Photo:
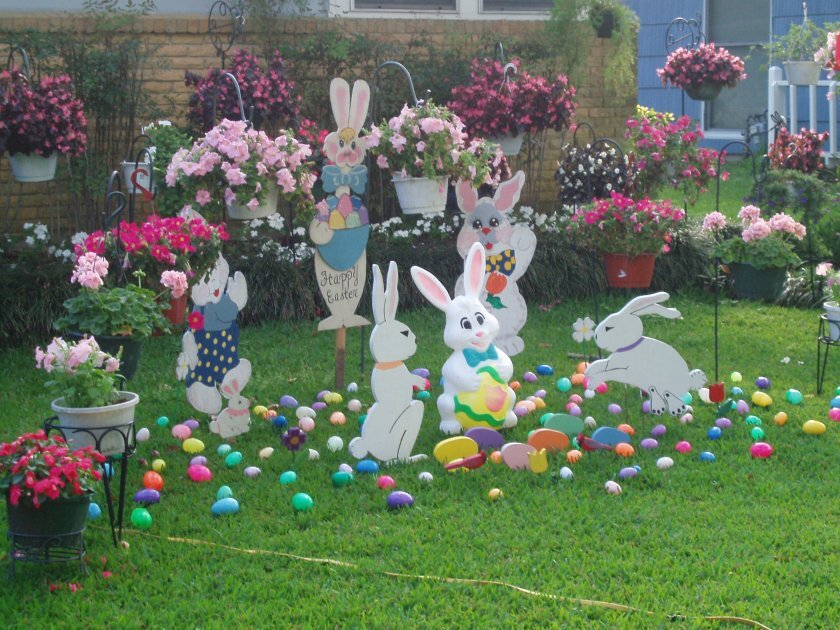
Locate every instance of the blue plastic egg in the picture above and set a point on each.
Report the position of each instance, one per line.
(707, 456)
(228, 505)
(367, 466)
(544, 370)
(714, 433)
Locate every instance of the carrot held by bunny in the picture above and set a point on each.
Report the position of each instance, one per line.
(393, 422)
(649, 364)
(475, 376)
(340, 228)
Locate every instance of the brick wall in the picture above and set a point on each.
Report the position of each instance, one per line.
(185, 45)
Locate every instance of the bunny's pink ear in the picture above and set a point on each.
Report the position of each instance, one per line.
(508, 193)
(466, 195)
(227, 390)
(474, 269)
(392, 296)
(359, 105)
(340, 101)
(430, 287)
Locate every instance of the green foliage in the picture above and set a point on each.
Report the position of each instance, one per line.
(765, 253)
(165, 141)
(798, 44)
(620, 64)
(130, 310)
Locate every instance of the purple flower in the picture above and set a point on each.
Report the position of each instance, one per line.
(293, 438)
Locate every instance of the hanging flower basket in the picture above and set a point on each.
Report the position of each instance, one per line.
(108, 424)
(265, 209)
(752, 283)
(802, 72)
(421, 195)
(511, 145)
(704, 91)
(31, 167)
(629, 272)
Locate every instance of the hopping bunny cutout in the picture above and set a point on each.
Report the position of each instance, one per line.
(475, 376)
(509, 250)
(649, 364)
(340, 228)
(393, 422)
(236, 418)
(209, 360)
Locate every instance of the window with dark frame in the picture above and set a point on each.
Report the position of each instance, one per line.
(427, 5)
(517, 5)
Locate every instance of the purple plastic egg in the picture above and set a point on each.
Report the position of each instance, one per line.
(288, 401)
(646, 406)
(574, 410)
(627, 473)
(658, 431)
(614, 409)
(399, 499)
(199, 473)
(529, 377)
(762, 382)
(252, 472)
(742, 407)
(321, 394)
(421, 372)
(198, 460)
(649, 443)
(192, 423)
(540, 393)
(147, 496)
(520, 410)
(723, 423)
(319, 406)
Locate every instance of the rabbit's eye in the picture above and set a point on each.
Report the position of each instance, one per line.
(476, 224)
(479, 318)
(405, 333)
(466, 324)
(353, 145)
(608, 328)
(341, 144)
(494, 222)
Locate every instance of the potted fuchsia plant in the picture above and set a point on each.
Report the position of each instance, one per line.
(238, 168)
(503, 109)
(703, 71)
(40, 120)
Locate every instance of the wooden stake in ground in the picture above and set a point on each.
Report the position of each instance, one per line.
(340, 355)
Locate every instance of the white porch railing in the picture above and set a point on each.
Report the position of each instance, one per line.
(784, 102)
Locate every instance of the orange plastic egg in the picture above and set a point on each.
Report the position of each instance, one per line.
(153, 481)
(515, 385)
(577, 379)
(626, 428)
(581, 367)
(496, 457)
(623, 449)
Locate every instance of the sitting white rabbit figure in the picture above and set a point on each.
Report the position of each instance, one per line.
(649, 364)
(236, 418)
(393, 422)
(475, 376)
(508, 251)
(209, 359)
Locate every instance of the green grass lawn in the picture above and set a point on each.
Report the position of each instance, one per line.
(738, 537)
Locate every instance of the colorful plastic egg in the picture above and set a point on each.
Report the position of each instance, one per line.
(736, 391)
(762, 399)
(578, 379)
(304, 412)
(624, 450)
(723, 423)
(143, 435)
(714, 433)
(252, 472)
(234, 458)
(564, 384)
(335, 443)
(742, 407)
(306, 423)
(664, 463)
(424, 395)
(228, 505)
(260, 411)
(385, 482)
(353, 387)
(757, 433)
(141, 519)
(589, 422)
(192, 445)
(545, 370)
(288, 477)
(159, 466)
(367, 467)
(794, 396)
(626, 428)
(288, 401)
(612, 487)
(163, 421)
(302, 502)
(813, 427)
(266, 452)
(147, 496)
(94, 511)
(341, 479)
(319, 406)
(834, 414)
(223, 492)
(153, 480)
(646, 406)
(649, 443)
(333, 398)
(753, 421)
(425, 477)
(495, 494)
(574, 456)
(707, 456)
(345, 468)
(181, 432)
(223, 449)
(736, 377)
(683, 446)
(399, 499)
(314, 455)
(658, 431)
(529, 377)
(603, 388)
(780, 419)
(199, 473)
(614, 409)
(761, 450)
(627, 472)
(762, 382)
(566, 473)
(354, 405)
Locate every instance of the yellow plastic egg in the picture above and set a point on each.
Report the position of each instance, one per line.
(780, 418)
(813, 427)
(158, 465)
(260, 411)
(762, 399)
(495, 494)
(539, 402)
(333, 398)
(193, 445)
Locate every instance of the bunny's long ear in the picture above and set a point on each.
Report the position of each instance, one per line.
(474, 268)
(508, 192)
(466, 195)
(378, 293)
(392, 296)
(359, 105)
(650, 305)
(340, 101)
(431, 288)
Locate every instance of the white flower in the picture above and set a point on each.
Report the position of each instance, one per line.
(30, 241)
(583, 329)
(299, 231)
(276, 221)
(78, 238)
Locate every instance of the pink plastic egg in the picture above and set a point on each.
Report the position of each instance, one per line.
(384, 482)
(181, 431)
(576, 399)
(761, 450)
(199, 473)
(337, 418)
(682, 446)
(306, 424)
(742, 407)
(834, 414)
(602, 388)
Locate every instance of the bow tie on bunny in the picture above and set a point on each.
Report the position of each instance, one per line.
(474, 357)
(355, 178)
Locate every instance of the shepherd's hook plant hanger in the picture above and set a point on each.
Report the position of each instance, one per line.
(229, 75)
(684, 33)
(225, 24)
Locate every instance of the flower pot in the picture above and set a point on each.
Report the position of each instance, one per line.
(138, 180)
(266, 209)
(511, 145)
(629, 272)
(758, 284)
(131, 347)
(31, 167)
(704, 91)
(109, 425)
(421, 195)
(802, 72)
(61, 519)
(832, 311)
(177, 311)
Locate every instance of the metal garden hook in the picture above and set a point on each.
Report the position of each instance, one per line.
(404, 70)
(27, 67)
(509, 69)
(501, 50)
(238, 97)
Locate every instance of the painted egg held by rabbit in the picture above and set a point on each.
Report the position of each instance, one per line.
(475, 376)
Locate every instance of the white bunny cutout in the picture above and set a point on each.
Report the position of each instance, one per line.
(649, 364)
(393, 422)
(508, 249)
(475, 376)
(236, 418)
